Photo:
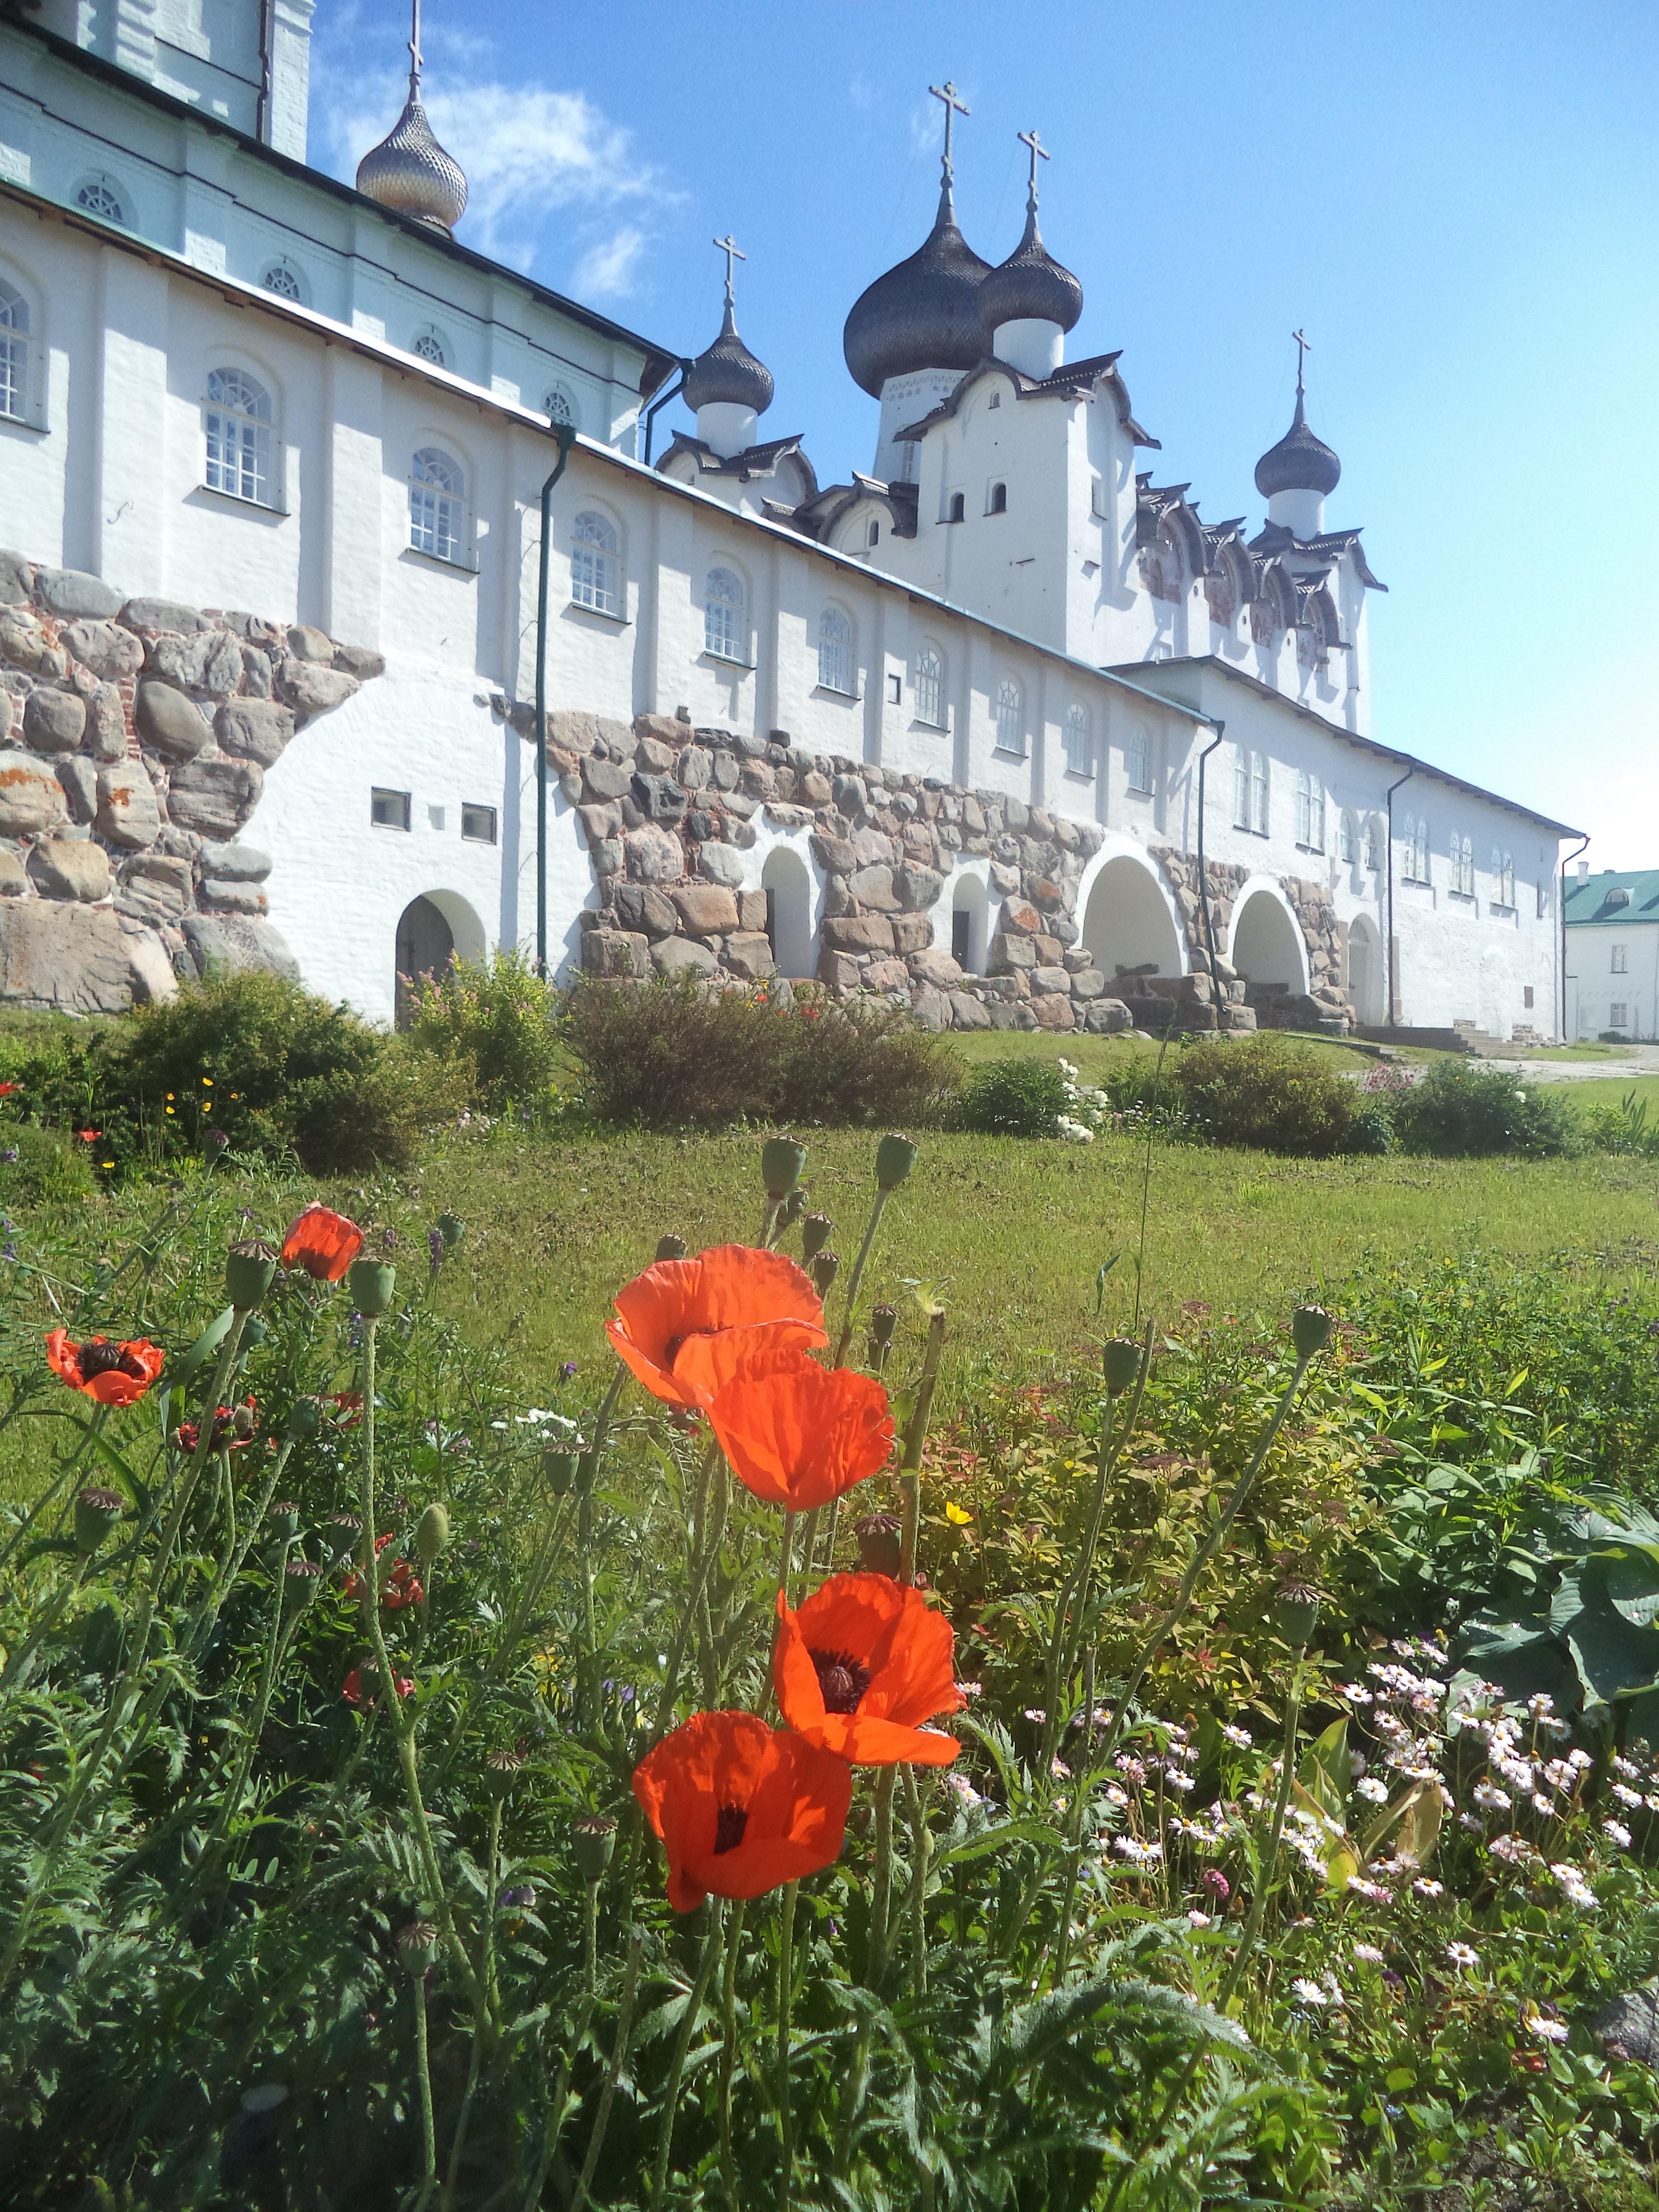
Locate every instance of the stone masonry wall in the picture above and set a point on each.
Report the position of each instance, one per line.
(135, 735)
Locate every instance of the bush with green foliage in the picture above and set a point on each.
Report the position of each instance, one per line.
(496, 1021)
(1012, 1098)
(1271, 1095)
(1626, 1130)
(673, 1054)
(1467, 1108)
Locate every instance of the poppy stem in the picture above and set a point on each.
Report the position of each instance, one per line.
(920, 1847)
(881, 1885)
(587, 1469)
(786, 1992)
(729, 2051)
(613, 2074)
(423, 2076)
(849, 1310)
(676, 2065)
(703, 1554)
(786, 1555)
(915, 1436)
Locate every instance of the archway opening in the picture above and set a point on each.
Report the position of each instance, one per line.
(1365, 971)
(425, 948)
(788, 890)
(967, 917)
(1127, 925)
(1267, 952)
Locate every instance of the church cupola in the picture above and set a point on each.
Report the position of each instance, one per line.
(1028, 303)
(912, 334)
(1295, 475)
(726, 388)
(408, 171)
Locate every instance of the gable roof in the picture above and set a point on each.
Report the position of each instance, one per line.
(1595, 898)
(752, 461)
(1072, 379)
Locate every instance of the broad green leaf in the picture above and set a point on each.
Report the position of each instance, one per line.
(1327, 1772)
(1026, 1830)
(205, 1346)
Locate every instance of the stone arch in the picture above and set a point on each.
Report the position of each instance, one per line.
(787, 883)
(1267, 945)
(969, 913)
(1366, 980)
(434, 930)
(1129, 920)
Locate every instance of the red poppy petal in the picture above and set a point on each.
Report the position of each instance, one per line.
(868, 1742)
(795, 1679)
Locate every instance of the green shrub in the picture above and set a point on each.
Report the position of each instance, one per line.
(1462, 1109)
(1013, 1098)
(45, 1167)
(496, 1021)
(673, 1054)
(1273, 1096)
(1625, 1129)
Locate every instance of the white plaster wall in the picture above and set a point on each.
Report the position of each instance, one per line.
(1593, 988)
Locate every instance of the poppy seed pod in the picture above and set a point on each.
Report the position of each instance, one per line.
(783, 1162)
(881, 1544)
(301, 1580)
(559, 1468)
(671, 1247)
(814, 1235)
(340, 1534)
(794, 1207)
(826, 1266)
(895, 1155)
(452, 1229)
(96, 1512)
(883, 1320)
(1119, 1359)
(372, 1282)
(502, 1771)
(1296, 1611)
(1310, 1330)
(431, 1533)
(593, 1838)
(250, 1269)
(255, 1330)
(417, 1947)
(305, 1420)
(283, 1520)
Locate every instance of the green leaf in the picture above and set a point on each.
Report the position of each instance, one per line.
(137, 1489)
(1027, 1830)
(203, 1348)
(1327, 1772)
(1399, 2078)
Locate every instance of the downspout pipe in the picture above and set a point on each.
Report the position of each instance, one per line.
(565, 434)
(660, 402)
(1220, 729)
(1561, 924)
(1393, 787)
(262, 120)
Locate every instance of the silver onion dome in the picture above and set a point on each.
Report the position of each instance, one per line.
(1031, 285)
(1300, 461)
(924, 313)
(408, 171)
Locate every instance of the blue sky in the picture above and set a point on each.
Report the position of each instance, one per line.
(1460, 204)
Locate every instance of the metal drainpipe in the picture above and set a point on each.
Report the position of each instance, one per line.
(659, 404)
(1393, 787)
(566, 434)
(1561, 924)
(1220, 729)
(262, 122)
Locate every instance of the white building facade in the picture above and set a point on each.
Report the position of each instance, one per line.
(944, 730)
(1613, 955)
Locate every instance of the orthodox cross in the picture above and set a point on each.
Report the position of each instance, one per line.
(953, 107)
(1301, 348)
(1039, 152)
(729, 246)
(416, 58)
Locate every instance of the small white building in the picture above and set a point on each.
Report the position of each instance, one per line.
(1004, 676)
(1613, 955)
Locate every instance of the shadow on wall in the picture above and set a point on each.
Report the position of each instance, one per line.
(1126, 924)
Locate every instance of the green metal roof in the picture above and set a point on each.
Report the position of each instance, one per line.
(1597, 898)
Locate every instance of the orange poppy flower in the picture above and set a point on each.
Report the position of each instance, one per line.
(113, 1374)
(680, 1302)
(860, 1664)
(741, 1809)
(795, 1433)
(323, 1243)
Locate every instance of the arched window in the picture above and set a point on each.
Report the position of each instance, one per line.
(1374, 841)
(872, 535)
(237, 419)
(1138, 758)
(930, 688)
(559, 405)
(998, 501)
(956, 508)
(14, 354)
(1011, 734)
(430, 347)
(1414, 836)
(1259, 792)
(595, 570)
(1503, 869)
(1079, 740)
(100, 197)
(1309, 810)
(1461, 855)
(437, 504)
(835, 652)
(1347, 839)
(282, 280)
(1242, 787)
(724, 630)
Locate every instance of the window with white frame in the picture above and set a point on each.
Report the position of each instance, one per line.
(595, 566)
(1620, 959)
(1138, 758)
(1502, 872)
(236, 420)
(725, 628)
(1011, 727)
(1461, 855)
(559, 405)
(1260, 794)
(437, 505)
(1242, 787)
(283, 280)
(1309, 810)
(1618, 1015)
(1347, 839)
(478, 823)
(1414, 836)
(835, 652)
(1374, 841)
(930, 688)
(13, 354)
(1079, 740)
(430, 347)
(100, 197)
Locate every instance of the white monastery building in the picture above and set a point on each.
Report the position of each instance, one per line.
(1003, 725)
(1613, 955)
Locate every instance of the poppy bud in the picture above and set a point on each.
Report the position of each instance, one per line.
(593, 1836)
(283, 1520)
(372, 1282)
(502, 1771)
(96, 1512)
(895, 1157)
(452, 1229)
(883, 1320)
(1310, 1330)
(783, 1161)
(431, 1533)
(559, 1468)
(814, 1235)
(825, 1267)
(1296, 1611)
(881, 1544)
(301, 1580)
(305, 1419)
(340, 1534)
(1120, 1359)
(250, 1267)
(255, 1330)
(417, 1947)
(671, 1247)
(792, 1205)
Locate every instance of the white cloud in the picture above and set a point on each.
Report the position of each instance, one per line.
(606, 269)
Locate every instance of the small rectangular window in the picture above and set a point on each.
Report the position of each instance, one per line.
(895, 690)
(1620, 960)
(1096, 498)
(998, 501)
(389, 810)
(478, 823)
(1526, 996)
(1616, 1013)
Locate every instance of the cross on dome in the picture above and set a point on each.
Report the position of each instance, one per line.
(1039, 152)
(1303, 348)
(727, 374)
(954, 106)
(1031, 287)
(1300, 461)
(728, 245)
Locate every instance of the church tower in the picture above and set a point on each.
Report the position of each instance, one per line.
(1028, 303)
(726, 387)
(1296, 476)
(408, 171)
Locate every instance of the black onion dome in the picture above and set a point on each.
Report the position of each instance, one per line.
(409, 171)
(922, 314)
(1299, 462)
(728, 373)
(1031, 286)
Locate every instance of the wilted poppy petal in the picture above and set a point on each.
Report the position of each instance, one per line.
(796, 1434)
(860, 1664)
(679, 1302)
(741, 1809)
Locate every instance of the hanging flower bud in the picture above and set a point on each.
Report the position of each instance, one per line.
(283, 1520)
(431, 1533)
(249, 1268)
(372, 1282)
(501, 1770)
(814, 1236)
(881, 1544)
(883, 1320)
(96, 1512)
(305, 1419)
(1310, 1330)
(417, 1947)
(895, 1157)
(593, 1838)
(825, 1267)
(559, 1468)
(783, 1162)
(671, 1247)
(1120, 1359)
(452, 1229)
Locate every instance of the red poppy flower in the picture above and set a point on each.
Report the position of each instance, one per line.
(89, 1136)
(741, 1808)
(860, 1664)
(796, 1434)
(322, 1242)
(352, 1690)
(233, 1429)
(113, 1374)
(6, 1090)
(681, 1301)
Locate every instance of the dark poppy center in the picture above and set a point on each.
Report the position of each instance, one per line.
(841, 1679)
(729, 1824)
(95, 1359)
